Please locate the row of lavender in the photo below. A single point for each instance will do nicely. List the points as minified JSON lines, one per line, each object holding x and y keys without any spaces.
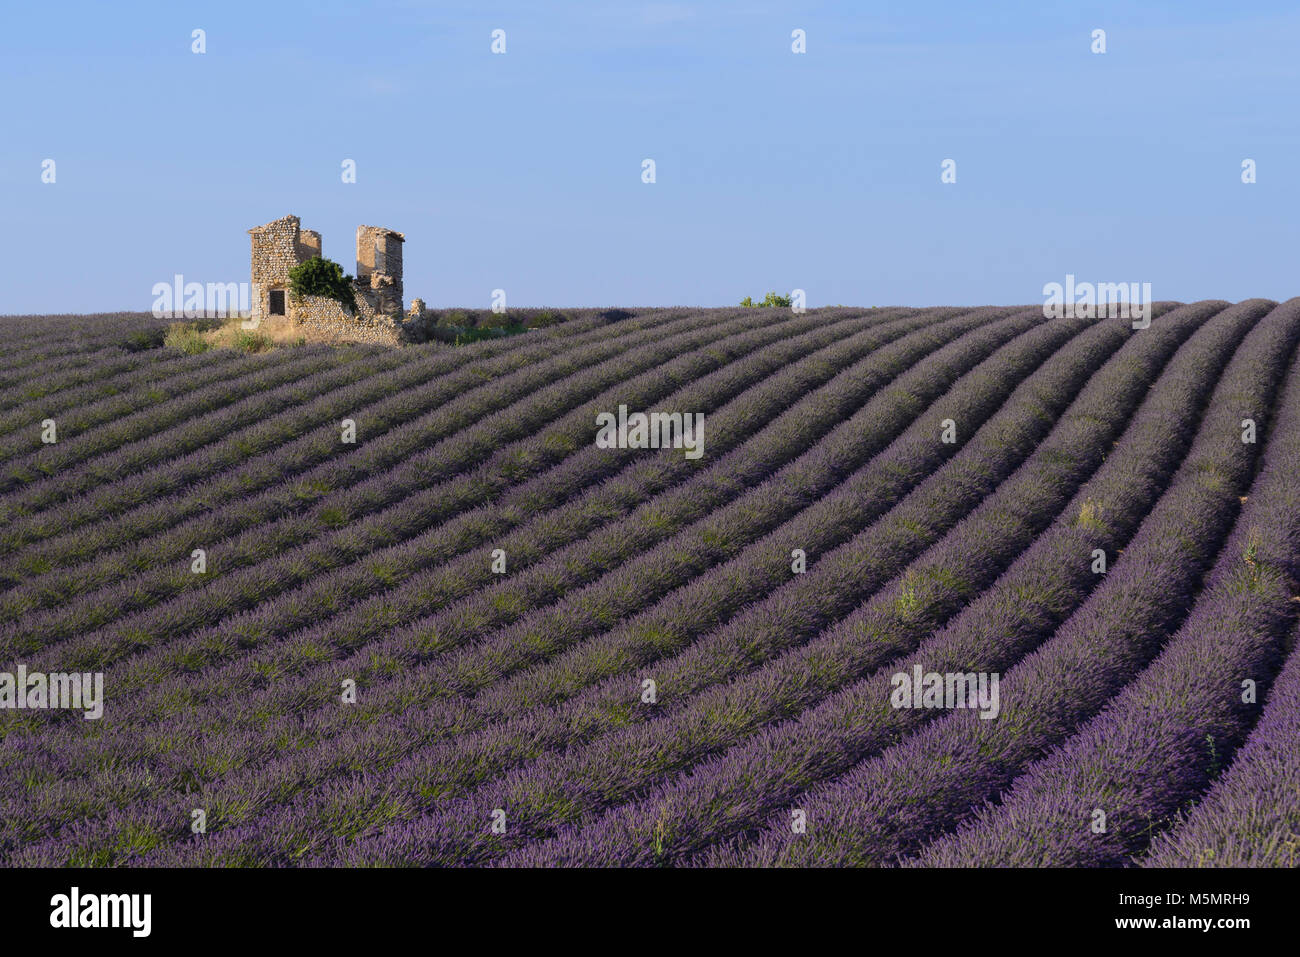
{"x":503,"y":718}
{"x":445,"y":461}
{"x":884,"y":359}
{"x":929,"y":781}
{"x":839,"y":717}
{"x":44,"y":496}
{"x":1164,"y":736}
{"x":66,"y":342}
{"x":116,"y":548}
{"x":263,"y":557}
{"x":924,"y":437}
{"x":595,"y":508}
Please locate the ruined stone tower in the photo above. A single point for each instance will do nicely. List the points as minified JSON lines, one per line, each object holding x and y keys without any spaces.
{"x":379,"y":267}
{"x":278,"y":247}
{"x":282,"y":244}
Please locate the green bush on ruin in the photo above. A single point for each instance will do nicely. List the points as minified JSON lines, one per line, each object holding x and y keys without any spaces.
{"x":322,"y":277}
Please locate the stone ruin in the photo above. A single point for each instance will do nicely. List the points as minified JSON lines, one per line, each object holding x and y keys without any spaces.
{"x":280,"y":245}
{"x":379,"y":267}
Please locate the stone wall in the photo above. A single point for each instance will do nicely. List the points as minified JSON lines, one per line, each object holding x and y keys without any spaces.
{"x":308,"y":245}
{"x":379,"y":266}
{"x":276,"y":249}
{"x":329,"y":320}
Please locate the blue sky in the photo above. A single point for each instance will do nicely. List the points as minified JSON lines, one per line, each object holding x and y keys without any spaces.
{"x":776,"y":171}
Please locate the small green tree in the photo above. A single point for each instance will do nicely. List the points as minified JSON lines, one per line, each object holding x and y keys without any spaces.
{"x":322,"y":277}
{"x":771,"y":299}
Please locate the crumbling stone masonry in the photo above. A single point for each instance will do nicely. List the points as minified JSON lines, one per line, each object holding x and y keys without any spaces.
{"x":330,"y":321}
{"x":379,"y":266}
{"x":277,"y":248}
{"x":280,"y":245}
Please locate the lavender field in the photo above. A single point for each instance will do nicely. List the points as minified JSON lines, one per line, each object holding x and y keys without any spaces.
{"x":466,"y":633}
